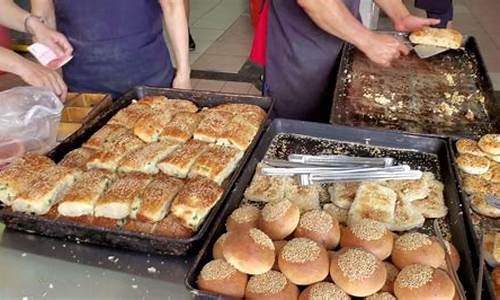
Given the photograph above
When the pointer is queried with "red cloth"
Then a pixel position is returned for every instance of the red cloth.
(5, 41)
(259, 46)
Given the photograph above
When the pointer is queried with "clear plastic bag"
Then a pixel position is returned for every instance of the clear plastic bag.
(29, 118)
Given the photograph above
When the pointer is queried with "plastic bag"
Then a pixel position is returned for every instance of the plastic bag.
(29, 118)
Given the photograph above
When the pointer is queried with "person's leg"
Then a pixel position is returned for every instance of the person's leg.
(187, 6)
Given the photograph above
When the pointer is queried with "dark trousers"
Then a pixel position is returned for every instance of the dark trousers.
(437, 9)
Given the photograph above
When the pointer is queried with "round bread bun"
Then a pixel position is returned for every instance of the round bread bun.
(417, 248)
(271, 285)
(370, 235)
(279, 219)
(490, 143)
(323, 290)
(319, 226)
(357, 271)
(392, 273)
(455, 257)
(219, 277)
(244, 217)
(474, 165)
(304, 261)
(474, 184)
(249, 251)
(218, 246)
(278, 245)
(479, 204)
(423, 282)
(495, 174)
(466, 146)
(381, 296)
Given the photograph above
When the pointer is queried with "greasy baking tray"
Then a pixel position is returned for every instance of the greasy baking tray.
(286, 136)
(409, 96)
(472, 218)
(127, 240)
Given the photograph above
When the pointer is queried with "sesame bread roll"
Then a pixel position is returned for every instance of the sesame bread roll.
(219, 277)
(319, 226)
(271, 285)
(323, 290)
(279, 219)
(423, 282)
(244, 217)
(370, 235)
(357, 271)
(417, 248)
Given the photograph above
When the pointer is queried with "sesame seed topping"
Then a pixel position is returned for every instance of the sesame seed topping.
(269, 283)
(412, 241)
(276, 210)
(261, 238)
(415, 276)
(381, 296)
(317, 221)
(300, 250)
(357, 264)
(327, 290)
(217, 270)
(245, 214)
(368, 230)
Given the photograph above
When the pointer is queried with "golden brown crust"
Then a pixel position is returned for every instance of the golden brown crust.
(145, 159)
(179, 105)
(447, 38)
(138, 226)
(212, 126)
(279, 219)
(150, 126)
(271, 286)
(319, 226)
(219, 246)
(440, 285)
(172, 227)
(431, 253)
(130, 115)
(239, 134)
(232, 284)
(126, 188)
(252, 114)
(157, 197)
(466, 146)
(155, 102)
(195, 200)
(244, 217)
(181, 127)
(490, 143)
(77, 158)
(481, 206)
(266, 188)
(471, 164)
(323, 290)
(105, 136)
(381, 246)
(433, 206)
(110, 158)
(474, 184)
(216, 163)
(180, 161)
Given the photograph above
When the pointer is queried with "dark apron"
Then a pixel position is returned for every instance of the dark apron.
(437, 9)
(118, 44)
(300, 62)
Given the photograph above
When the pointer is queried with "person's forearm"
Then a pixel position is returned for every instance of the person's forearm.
(333, 17)
(10, 61)
(12, 16)
(177, 28)
(44, 9)
(395, 9)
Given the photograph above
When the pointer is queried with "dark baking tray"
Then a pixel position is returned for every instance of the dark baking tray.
(344, 114)
(415, 145)
(128, 240)
(488, 289)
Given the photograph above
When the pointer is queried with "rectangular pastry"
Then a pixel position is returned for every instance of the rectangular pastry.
(216, 163)
(172, 227)
(181, 160)
(181, 128)
(104, 137)
(156, 199)
(109, 158)
(77, 158)
(178, 105)
(373, 201)
(84, 193)
(18, 176)
(212, 125)
(238, 134)
(145, 159)
(130, 115)
(138, 226)
(155, 102)
(45, 191)
(117, 201)
(266, 188)
(252, 114)
(149, 127)
(195, 200)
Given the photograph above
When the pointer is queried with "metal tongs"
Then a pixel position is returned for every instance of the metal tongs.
(338, 168)
(449, 265)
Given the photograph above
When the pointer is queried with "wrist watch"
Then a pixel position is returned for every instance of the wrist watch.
(30, 16)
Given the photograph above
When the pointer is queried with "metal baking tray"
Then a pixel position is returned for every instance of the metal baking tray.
(129, 240)
(472, 218)
(286, 136)
(421, 85)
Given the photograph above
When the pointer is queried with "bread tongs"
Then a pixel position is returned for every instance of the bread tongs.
(337, 168)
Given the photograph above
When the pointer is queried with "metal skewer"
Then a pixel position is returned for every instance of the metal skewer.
(340, 160)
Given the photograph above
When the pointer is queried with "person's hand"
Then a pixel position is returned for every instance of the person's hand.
(56, 41)
(383, 49)
(40, 76)
(412, 23)
(181, 81)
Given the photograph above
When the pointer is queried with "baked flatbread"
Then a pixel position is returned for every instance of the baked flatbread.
(441, 37)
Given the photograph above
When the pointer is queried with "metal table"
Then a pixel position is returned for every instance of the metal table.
(34, 267)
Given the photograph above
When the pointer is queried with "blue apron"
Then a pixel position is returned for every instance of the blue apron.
(118, 44)
(300, 62)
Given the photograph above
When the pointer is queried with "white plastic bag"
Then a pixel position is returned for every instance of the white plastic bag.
(29, 118)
